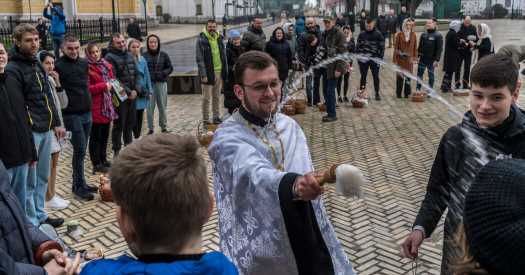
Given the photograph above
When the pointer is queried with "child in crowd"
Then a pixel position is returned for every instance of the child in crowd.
(160, 186)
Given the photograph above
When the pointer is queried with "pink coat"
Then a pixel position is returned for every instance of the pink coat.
(97, 86)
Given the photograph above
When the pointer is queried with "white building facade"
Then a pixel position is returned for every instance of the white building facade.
(206, 8)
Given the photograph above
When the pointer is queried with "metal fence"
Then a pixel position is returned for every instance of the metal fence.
(86, 30)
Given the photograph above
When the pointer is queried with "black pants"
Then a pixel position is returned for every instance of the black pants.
(446, 84)
(138, 123)
(343, 82)
(402, 84)
(98, 143)
(466, 59)
(123, 126)
(363, 68)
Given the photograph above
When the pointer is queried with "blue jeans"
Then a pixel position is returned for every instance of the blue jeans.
(312, 87)
(80, 127)
(422, 65)
(18, 179)
(57, 43)
(37, 179)
(329, 96)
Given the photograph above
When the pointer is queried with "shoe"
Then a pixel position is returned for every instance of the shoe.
(100, 168)
(445, 91)
(407, 95)
(398, 95)
(54, 222)
(83, 194)
(57, 203)
(339, 99)
(217, 121)
(345, 99)
(106, 164)
(90, 189)
(115, 153)
(150, 132)
(329, 119)
(378, 97)
(165, 130)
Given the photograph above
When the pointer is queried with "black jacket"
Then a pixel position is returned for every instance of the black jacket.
(340, 22)
(15, 132)
(371, 43)
(25, 75)
(430, 46)
(382, 25)
(484, 48)
(159, 65)
(391, 24)
(465, 33)
(451, 57)
(253, 39)
(455, 167)
(400, 18)
(42, 31)
(231, 102)
(18, 237)
(306, 52)
(133, 31)
(281, 52)
(74, 79)
(205, 59)
(124, 68)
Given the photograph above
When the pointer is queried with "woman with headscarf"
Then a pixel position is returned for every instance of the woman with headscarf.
(280, 50)
(100, 76)
(451, 58)
(484, 45)
(405, 55)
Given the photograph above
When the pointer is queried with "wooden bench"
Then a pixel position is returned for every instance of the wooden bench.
(184, 83)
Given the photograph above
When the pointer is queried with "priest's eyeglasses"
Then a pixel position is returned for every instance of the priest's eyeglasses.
(263, 87)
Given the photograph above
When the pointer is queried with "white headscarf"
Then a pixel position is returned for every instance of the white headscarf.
(405, 29)
(455, 25)
(485, 31)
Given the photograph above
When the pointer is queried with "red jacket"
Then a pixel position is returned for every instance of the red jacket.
(97, 86)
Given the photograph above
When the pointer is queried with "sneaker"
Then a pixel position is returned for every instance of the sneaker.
(90, 189)
(217, 121)
(99, 168)
(57, 203)
(165, 130)
(345, 99)
(150, 132)
(329, 119)
(83, 194)
(378, 97)
(54, 222)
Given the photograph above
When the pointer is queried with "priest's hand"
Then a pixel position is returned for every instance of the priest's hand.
(307, 188)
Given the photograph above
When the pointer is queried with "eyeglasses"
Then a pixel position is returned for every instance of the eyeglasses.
(263, 87)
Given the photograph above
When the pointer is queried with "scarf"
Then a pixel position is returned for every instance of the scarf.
(108, 110)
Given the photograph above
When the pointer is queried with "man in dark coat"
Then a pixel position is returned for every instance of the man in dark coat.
(493, 129)
(351, 21)
(306, 53)
(429, 52)
(401, 18)
(382, 25)
(126, 72)
(280, 50)
(391, 26)
(133, 29)
(42, 29)
(372, 43)
(254, 38)
(362, 20)
(468, 36)
(24, 249)
(233, 51)
(451, 57)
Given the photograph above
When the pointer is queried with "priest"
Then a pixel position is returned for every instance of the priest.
(271, 215)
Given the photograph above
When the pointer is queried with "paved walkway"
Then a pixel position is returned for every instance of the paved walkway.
(393, 141)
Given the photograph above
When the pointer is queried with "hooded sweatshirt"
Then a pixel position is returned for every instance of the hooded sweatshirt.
(209, 263)
(159, 63)
(215, 52)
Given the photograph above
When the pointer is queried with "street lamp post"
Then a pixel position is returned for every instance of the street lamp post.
(114, 18)
(145, 2)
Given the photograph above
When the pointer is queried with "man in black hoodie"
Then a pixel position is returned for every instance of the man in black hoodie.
(125, 70)
(306, 54)
(494, 128)
(160, 68)
(73, 71)
(429, 52)
(254, 38)
(24, 75)
(370, 43)
(468, 36)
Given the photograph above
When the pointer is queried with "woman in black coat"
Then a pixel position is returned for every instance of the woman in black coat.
(451, 58)
(233, 51)
(280, 50)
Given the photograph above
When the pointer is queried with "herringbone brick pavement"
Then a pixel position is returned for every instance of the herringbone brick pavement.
(393, 141)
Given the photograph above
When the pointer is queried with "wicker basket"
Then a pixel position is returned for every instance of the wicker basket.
(205, 138)
(461, 92)
(300, 106)
(419, 97)
(105, 189)
(288, 109)
(322, 107)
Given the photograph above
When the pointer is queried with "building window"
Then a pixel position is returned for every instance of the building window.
(198, 9)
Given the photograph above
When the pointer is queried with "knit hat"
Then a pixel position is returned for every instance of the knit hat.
(494, 217)
(234, 34)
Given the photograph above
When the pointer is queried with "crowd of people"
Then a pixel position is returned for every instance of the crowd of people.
(271, 214)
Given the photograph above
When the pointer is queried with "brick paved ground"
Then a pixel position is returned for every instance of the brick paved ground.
(392, 141)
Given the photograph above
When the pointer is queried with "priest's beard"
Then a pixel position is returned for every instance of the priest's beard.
(258, 111)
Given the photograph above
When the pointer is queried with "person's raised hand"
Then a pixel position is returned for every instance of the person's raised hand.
(412, 243)
(54, 254)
